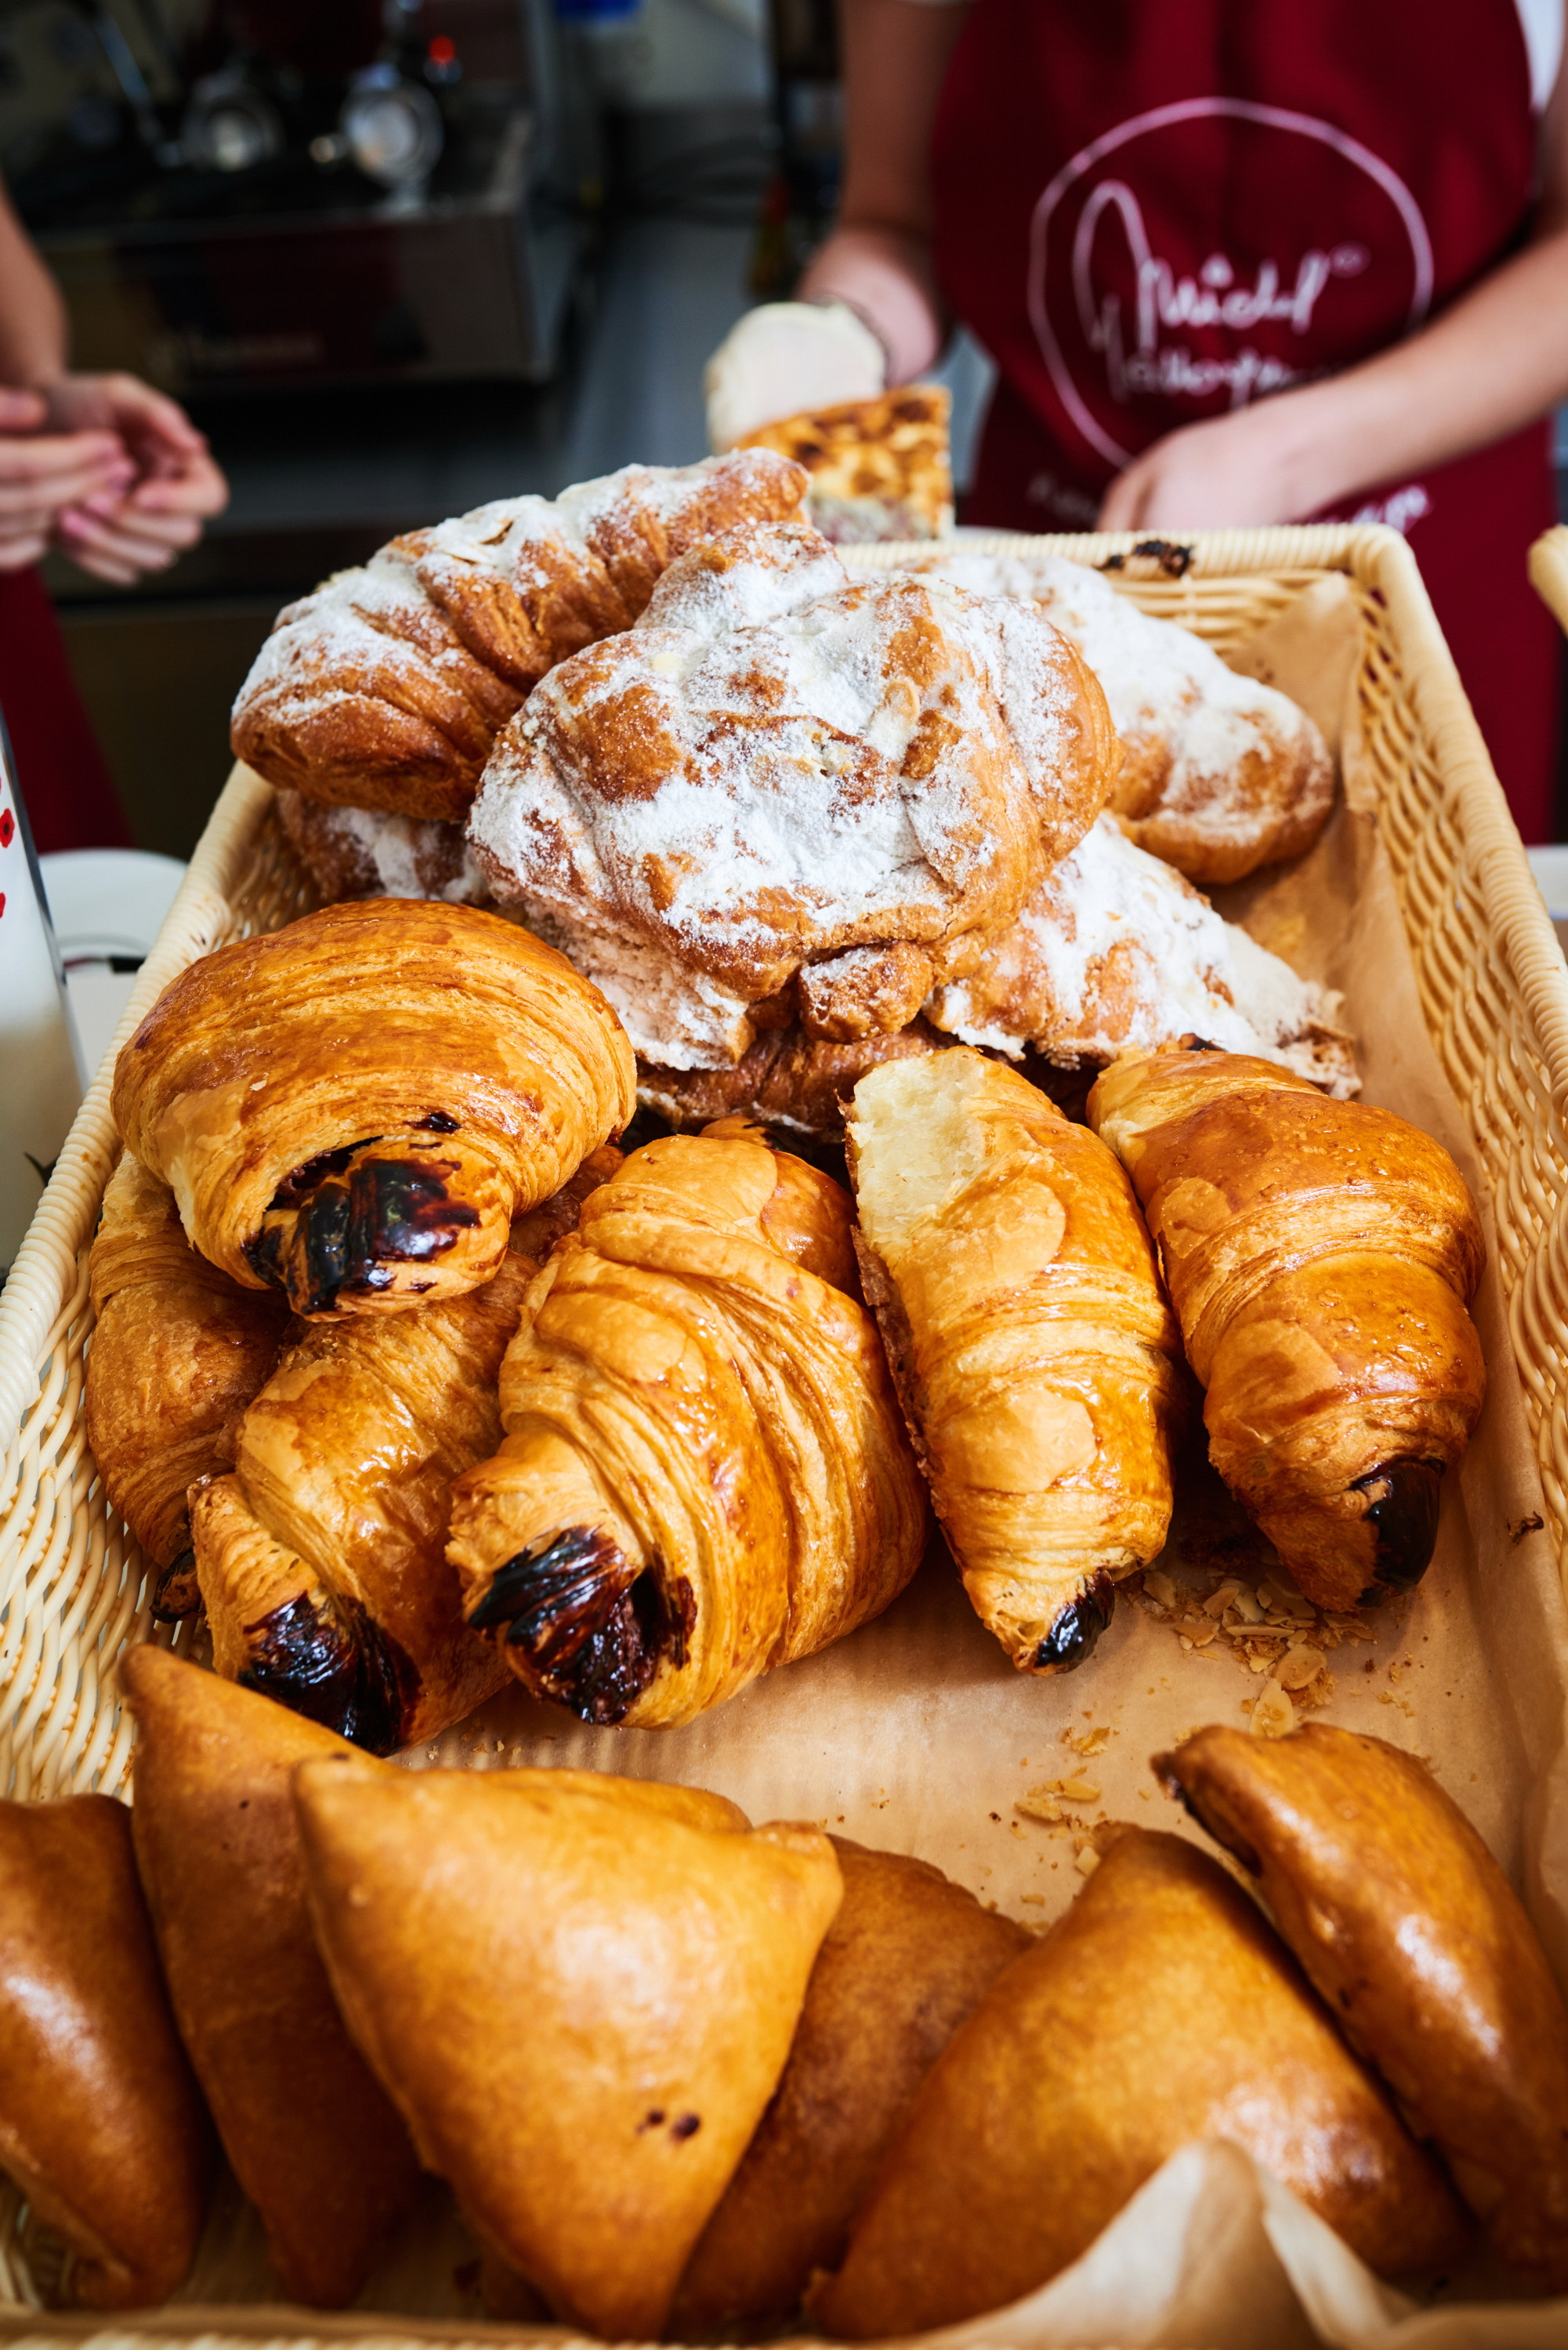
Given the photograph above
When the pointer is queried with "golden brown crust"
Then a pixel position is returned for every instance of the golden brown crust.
(580, 1991)
(1421, 1950)
(704, 1473)
(1034, 1351)
(311, 2138)
(322, 1558)
(1161, 2009)
(787, 1080)
(178, 1352)
(386, 687)
(353, 1108)
(906, 1961)
(879, 468)
(1319, 1254)
(100, 2124)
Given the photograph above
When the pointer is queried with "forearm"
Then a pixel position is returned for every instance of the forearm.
(33, 331)
(1494, 362)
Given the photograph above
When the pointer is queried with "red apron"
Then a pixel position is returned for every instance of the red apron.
(65, 783)
(1149, 214)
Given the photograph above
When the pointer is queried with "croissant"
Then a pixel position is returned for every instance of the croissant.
(1220, 775)
(704, 1474)
(352, 1109)
(1319, 1256)
(100, 2124)
(310, 2135)
(350, 852)
(176, 1353)
(1355, 1845)
(321, 1558)
(1034, 1352)
(1112, 950)
(386, 687)
(904, 1962)
(578, 1990)
(784, 793)
(879, 468)
(1161, 2009)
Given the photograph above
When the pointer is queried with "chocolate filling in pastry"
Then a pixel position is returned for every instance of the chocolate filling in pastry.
(342, 1220)
(1402, 1505)
(335, 1664)
(592, 1627)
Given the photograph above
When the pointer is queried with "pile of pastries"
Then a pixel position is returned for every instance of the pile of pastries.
(426, 1359)
(685, 2076)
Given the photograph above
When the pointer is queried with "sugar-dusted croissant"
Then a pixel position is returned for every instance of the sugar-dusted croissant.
(1161, 2009)
(787, 792)
(350, 852)
(1319, 1256)
(386, 687)
(352, 1109)
(100, 2124)
(176, 1353)
(1034, 1352)
(321, 1559)
(578, 1990)
(309, 2133)
(704, 1473)
(906, 1961)
(1422, 1950)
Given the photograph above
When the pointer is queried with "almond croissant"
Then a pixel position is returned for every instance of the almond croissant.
(704, 1473)
(1035, 1354)
(1319, 1256)
(353, 1108)
(177, 1351)
(386, 686)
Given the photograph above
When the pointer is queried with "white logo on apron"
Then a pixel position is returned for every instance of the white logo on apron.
(1143, 360)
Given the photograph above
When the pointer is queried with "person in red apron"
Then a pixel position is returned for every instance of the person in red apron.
(1239, 263)
(108, 470)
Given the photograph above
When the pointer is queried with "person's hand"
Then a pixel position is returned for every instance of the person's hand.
(785, 358)
(1272, 463)
(44, 473)
(172, 487)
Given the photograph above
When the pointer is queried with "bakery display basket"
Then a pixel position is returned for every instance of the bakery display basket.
(1493, 991)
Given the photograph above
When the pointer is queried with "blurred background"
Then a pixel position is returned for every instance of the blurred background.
(396, 257)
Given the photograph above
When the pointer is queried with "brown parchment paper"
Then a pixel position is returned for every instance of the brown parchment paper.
(916, 1735)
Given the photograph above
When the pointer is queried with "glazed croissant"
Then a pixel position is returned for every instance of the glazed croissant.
(177, 1353)
(321, 1558)
(704, 1473)
(1034, 1352)
(1319, 1256)
(386, 687)
(352, 1109)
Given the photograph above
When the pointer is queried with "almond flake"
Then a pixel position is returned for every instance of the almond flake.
(1298, 1665)
(1273, 1716)
(1160, 1587)
(1080, 1791)
(1086, 1860)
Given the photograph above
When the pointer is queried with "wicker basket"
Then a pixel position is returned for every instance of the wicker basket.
(1493, 987)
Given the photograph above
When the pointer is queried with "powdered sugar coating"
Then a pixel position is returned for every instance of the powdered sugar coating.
(1114, 948)
(1223, 773)
(888, 762)
(364, 853)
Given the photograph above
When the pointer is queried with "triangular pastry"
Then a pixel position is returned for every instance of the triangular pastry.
(580, 1991)
(310, 2135)
(100, 2124)
(1161, 2009)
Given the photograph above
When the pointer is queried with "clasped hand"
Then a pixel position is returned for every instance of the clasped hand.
(106, 469)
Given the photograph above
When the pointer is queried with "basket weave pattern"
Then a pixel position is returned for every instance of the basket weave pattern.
(1493, 985)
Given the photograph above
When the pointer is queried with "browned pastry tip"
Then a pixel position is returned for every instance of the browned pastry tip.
(786, 1080)
(351, 1109)
(1319, 1256)
(309, 2133)
(101, 2126)
(177, 1351)
(1162, 2008)
(1422, 1950)
(386, 687)
(1033, 1351)
(661, 1950)
(704, 1475)
(906, 1961)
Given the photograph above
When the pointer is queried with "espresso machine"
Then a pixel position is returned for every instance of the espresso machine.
(240, 194)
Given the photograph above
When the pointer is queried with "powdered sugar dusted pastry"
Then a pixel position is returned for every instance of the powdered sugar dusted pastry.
(785, 785)
(365, 853)
(1221, 775)
(1114, 948)
(386, 687)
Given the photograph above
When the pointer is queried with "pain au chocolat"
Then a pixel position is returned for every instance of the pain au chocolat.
(352, 1109)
